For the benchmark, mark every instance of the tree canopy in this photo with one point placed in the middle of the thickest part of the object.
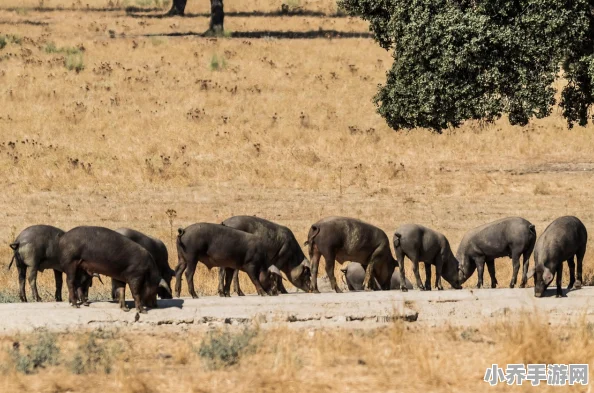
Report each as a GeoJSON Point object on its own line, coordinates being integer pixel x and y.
{"type": "Point", "coordinates": [457, 60]}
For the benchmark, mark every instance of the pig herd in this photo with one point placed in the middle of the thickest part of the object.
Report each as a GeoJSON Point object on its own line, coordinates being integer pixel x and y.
{"type": "Point", "coordinates": [269, 253]}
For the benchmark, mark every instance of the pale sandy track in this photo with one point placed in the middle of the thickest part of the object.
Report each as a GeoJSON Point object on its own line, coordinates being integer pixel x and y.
{"type": "Point", "coordinates": [361, 309]}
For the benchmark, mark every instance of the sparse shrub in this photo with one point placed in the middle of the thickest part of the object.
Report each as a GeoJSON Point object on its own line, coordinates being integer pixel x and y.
{"type": "Point", "coordinates": [8, 298]}
{"type": "Point", "coordinates": [94, 355]}
{"type": "Point", "coordinates": [15, 39]}
{"type": "Point", "coordinates": [223, 349]}
{"type": "Point", "coordinates": [148, 3]}
{"type": "Point", "coordinates": [5, 39]}
{"type": "Point", "coordinates": [542, 189]}
{"type": "Point", "coordinates": [40, 352]}
{"type": "Point", "coordinates": [74, 62]}
{"type": "Point", "coordinates": [51, 48]}
{"type": "Point", "coordinates": [217, 63]}
{"type": "Point", "coordinates": [290, 6]}
{"type": "Point", "coordinates": [156, 41]}
{"type": "Point", "coordinates": [588, 279]}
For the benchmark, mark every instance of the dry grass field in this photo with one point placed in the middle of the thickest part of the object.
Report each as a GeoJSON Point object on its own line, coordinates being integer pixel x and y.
{"type": "Point", "coordinates": [112, 118]}
{"type": "Point", "coordinates": [397, 358]}
{"type": "Point", "coordinates": [115, 117]}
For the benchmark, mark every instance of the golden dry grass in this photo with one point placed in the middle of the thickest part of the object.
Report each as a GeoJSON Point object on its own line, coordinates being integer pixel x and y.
{"type": "Point", "coordinates": [283, 129]}
{"type": "Point", "coordinates": [400, 357]}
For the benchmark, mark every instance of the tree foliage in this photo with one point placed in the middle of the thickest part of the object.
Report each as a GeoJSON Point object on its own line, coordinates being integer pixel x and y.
{"type": "Point", "coordinates": [457, 60]}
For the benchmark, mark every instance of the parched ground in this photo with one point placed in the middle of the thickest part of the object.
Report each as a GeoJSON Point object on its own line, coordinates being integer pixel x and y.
{"type": "Point", "coordinates": [358, 310]}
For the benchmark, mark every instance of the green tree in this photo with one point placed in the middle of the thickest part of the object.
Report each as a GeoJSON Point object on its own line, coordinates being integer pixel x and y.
{"type": "Point", "coordinates": [457, 60]}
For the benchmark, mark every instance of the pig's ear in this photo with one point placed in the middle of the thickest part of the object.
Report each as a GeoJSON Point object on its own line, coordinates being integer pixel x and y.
{"type": "Point", "coordinates": [531, 272]}
{"type": "Point", "coordinates": [547, 276]}
{"type": "Point", "coordinates": [164, 285]}
{"type": "Point", "coordinates": [274, 270]}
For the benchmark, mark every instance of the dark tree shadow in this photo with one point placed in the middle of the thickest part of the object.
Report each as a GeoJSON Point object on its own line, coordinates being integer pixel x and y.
{"type": "Point", "coordinates": [296, 35]}
{"type": "Point", "coordinates": [244, 14]}
{"type": "Point", "coordinates": [24, 22]}
{"type": "Point", "coordinates": [140, 12]}
{"type": "Point", "coordinates": [83, 9]}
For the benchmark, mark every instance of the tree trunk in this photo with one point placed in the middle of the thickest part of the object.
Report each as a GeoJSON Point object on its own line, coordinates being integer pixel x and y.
{"type": "Point", "coordinates": [177, 7]}
{"type": "Point", "coordinates": [217, 16]}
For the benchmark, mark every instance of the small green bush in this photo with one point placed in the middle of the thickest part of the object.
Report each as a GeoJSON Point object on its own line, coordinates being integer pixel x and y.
{"type": "Point", "coordinates": [143, 3]}
{"type": "Point", "coordinates": [223, 348]}
{"type": "Point", "coordinates": [95, 353]}
{"type": "Point", "coordinates": [74, 61]}
{"type": "Point", "coordinates": [5, 39]}
{"type": "Point", "coordinates": [41, 351]}
{"type": "Point", "coordinates": [217, 64]}
{"type": "Point", "coordinates": [15, 39]}
{"type": "Point", "coordinates": [156, 41]}
{"type": "Point", "coordinates": [51, 48]}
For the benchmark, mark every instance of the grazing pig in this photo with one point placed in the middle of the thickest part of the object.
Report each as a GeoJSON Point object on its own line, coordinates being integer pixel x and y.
{"type": "Point", "coordinates": [347, 239]}
{"type": "Point", "coordinates": [158, 251]}
{"type": "Point", "coordinates": [282, 248]}
{"type": "Point", "coordinates": [36, 248]}
{"type": "Point", "coordinates": [509, 237]}
{"type": "Point", "coordinates": [563, 239]}
{"type": "Point", "coordinates": [354, 274]}
{"type": "Point", "coordinates": [216, 245]}
{"type": "Point", "coordinates": [421, 244]}
{"type": "Point", "coordinates": [103, 251]}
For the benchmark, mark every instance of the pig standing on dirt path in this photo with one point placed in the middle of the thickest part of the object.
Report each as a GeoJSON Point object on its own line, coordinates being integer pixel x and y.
{"type": "Point", "coordinates": [347, 239]}
{"type": "Point", "coordinates": [421, 244]}
{"type": "Point", "coordinates": [217, 245]}
{"type": "Point", "coordinates": [509, 237]}
{"type": "Point", "coordinates": [159, 253]}
{"type": "Point", "coordinates": [36, 248]}
{"type": "Point", "coordinates": [283, 249]}
{"type": "Point", "coordinates": [103, 251]}
{"type": "Point", "coordinates": [563, 239]}
{"type": "Point", "coordinates": [354, 274]}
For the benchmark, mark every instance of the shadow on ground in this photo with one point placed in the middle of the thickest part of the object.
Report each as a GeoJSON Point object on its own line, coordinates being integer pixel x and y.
{"type": "Point", "coordinates": [139, 12]}
{"type": "Point", "coordinates": [243, 14]}
{"type": "Point", "coordinates": [162, 303]}
{"type": "Point", "coordinates": [81, 9]}
{"type": "Point", "coordinates": [24, 22]}
{"type": "Point", "coordinates": [171, 303]}
{"type": "Point", "coordinates": [296, 35]}
{"type": "Point", "coordinates": [552, 292]}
